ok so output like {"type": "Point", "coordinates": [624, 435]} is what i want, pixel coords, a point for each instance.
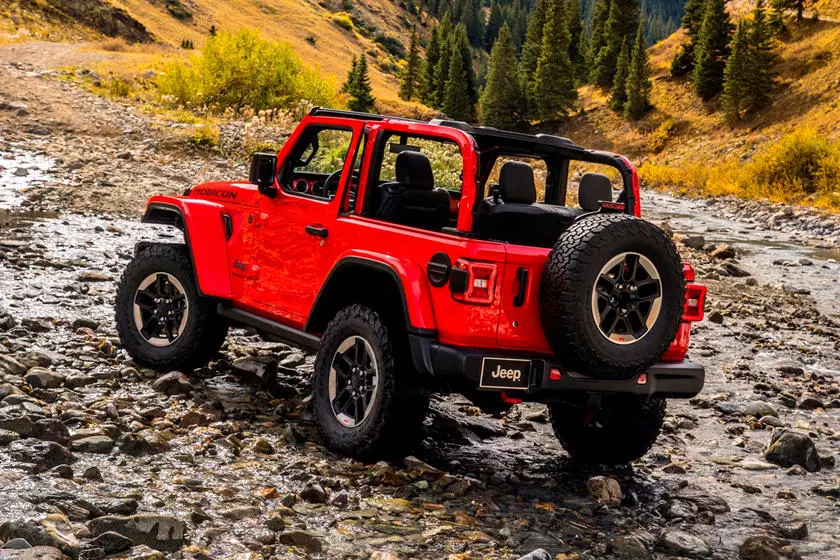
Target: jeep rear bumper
{"type": "Point", "coordinates": [455, 366]}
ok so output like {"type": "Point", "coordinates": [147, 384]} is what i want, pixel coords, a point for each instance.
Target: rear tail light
{"type": "Point", "coordinates": [473, 281]}
{"type": "Point", "coordinates": [695, 302]}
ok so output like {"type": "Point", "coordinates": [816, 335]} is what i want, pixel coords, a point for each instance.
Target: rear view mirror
{"type": "Point", "coordinates": [263, 168]}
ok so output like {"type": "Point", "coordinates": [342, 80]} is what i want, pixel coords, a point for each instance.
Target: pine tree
{"type": "Point", "coordinates": [600, 13]}
{"type": "Point", "coordinates": [428, 89]}
{"type": "Point", "coordinates": [683, 62]}
{"type": "Point", "coordinates": [459, 90]}
{"type": "Point", "coordinates": [442, 66]}
{"type": "Point", "coordinates": [621, 24]}
{"type": "Point", "coordinates": [554, 82]}
{"type": "Point", "coordinates": [350, 83]}
{"type": "Point", "coordinates": [576, 55]}
{"type": "Point", "coordinates": [533, 44]}
{"type": "Point", "coordinates": [711, 50]}
{"type": "Point", "coordinates": [501, 103]}
{"type": "Point", "coordinates": [361, 93]}
{"type": "Point", "coordinates": [736, 87]}
{"type": "Point", "coordinates": [618, 94]}
{"type": "Point", "coordinates": [762, 59]}
{"type": "Point", "coordinates": [638, 79]}
{"type": "Point", "coordinates": [494, 24]}
{"type": "Point", "coordinates": [412, 80]}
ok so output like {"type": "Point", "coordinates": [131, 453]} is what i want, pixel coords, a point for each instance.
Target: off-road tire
{"type": "Point", "coordinates": [204, 332]}
{"type": "Point", "coordinates": [395, 420]}
{"type": "Point", "coordinates": [569, 277]}
{"type": "Point", "coordinates": [623, 430]}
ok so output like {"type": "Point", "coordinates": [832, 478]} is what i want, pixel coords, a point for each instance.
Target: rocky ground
{"type": "Point", "coordinates": [100, 458]}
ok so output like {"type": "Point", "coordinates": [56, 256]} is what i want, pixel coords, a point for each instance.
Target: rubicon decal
{"type": "Point", "coordinates": [215, 193]}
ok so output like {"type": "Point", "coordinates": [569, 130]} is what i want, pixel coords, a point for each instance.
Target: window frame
{"type": "Point", "coordinates": [286, 169]}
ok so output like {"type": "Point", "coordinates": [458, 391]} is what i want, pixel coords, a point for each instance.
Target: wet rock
{"type": "Point", "coordinates": [43, 454]}
{"type": "Point", "coordinates": [21, 425]}
{"type": "Point", "coordinates": [293, 360]}
{"type": "Point", "coordinates": [790, 368]}
{"type": "Point", "coordinates": [36, 325]}
{"type": "Point", "coordinates": [340, 499]}
{"type": "Point", "coordinates": [94, 444]}
{"type": "Point", "coordinates": [798, 532]}
{"type": "Point", "coordinates": [92, 473]}
{"type": "Point", "coordinates": [787, 448]}
{"type": "Point", "coordinates": [94, 276]}
{"type": "Point", "coordinates": [716, 317]}
{"type": "Point", "coordinates": [629, 547]}
{"type": "Point", "coordinates": [694, 242]}
{"type": "Point", "coordinates": [145, 442]}
{"type": "Point", "coordinates": [161, 532]}
{"type": "Point", "coordinates": [759, 409]}
{"type": "Point", "coordinates": [308, 540]}
{"type": "Point", "coordinates": [51, 429]}
{"type": "Point", "coordinates": [54, 531]}
{"type": "Point", "coordinates": [62, 471]}
{"type": "Point", "coordinates": [771, 421]}
{"type": "Point", "coordinates": [724, 252]}
{"type": "Point", "coordinates": [679, 542]}
{"type": "Point", "coordinates": [7, 437]}
{"type": "Point", "coordinates": [11, 365]}
{"type": "Point", "coordinates": [762, 547]}
{"type": "Point", "coordinates": [174, 383]}
{"type": "Point", "coordinates": [143, 552]}
{"type": "Point", "coordinates": [16, 544]}
{"type": "Point", "coordinates": [84, 322]}
{"type": "Point", "coordinates": [262, 445]}
{"type": "Point", "coordinates": [40, 378]}
{"type": "Point", "coordinates": [34, 553]}
{"type": "Point", "coordinates": [539, 554]}
{"type": "Point", "coordinates": [314, 493]}
{"type": "Point", "coordinates": [111, 542]}
{"type": "Point", "coordinates": [810, 402]}
{"type": "Point", "coordinates": [605, 490]}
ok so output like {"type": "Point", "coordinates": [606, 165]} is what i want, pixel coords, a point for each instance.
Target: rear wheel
{"type": "Point", "coordinates": [365, 399]}
{"type": "Point", "coordinates": [162, 320]}
{"type": "Point", "coordinates": [619, 430]}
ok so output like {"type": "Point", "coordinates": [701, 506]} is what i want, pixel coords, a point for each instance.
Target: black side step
{"type": "Point", "coordinates": [291, 335]}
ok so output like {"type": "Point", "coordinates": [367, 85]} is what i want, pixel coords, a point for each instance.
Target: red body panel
{"type": "Point", "coordinates": [271, 266]}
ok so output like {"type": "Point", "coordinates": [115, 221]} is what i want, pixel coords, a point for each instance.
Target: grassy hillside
{"type": "Point", "coordinates": [684, 142]}
{"type": "Point", "coordinates": [325, 34]}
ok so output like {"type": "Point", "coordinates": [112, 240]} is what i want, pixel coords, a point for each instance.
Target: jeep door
{"type": "Point", "coordinates": [293, 227]}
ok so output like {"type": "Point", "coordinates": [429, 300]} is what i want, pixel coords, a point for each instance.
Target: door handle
{"type": "Point", "coordinates": [522, 276]}
{"type": "Point", "coordinates": [317, 231]}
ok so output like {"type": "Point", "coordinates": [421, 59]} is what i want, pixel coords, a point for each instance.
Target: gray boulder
{"type": "Point", "coordinates": [787, 448]}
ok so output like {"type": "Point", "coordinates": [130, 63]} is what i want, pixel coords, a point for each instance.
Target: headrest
{"type": "Point", "coordinates": [414, 170]}
{"type": "Point", "coordinates": [516, 183]}
{"type": "Point", "coordinates": [593, 189]}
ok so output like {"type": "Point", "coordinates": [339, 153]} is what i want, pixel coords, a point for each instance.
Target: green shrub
{"type": "Point", "coordinates": [390, 44]}
{"type": "Point", "coordinates": [240, 69]}
{"type": "Point", "coordinates": [178, 10]}
{"type": "Point", "coordinates": [343, 20]}
{"type": "Point", "coordinates": [119, 87]}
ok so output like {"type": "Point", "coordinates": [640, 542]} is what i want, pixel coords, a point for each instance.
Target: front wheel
{"type": "Point", "coordinates": [620, 430]}
{"type": "Point", "coordinates": [162, 320]}
{"type": "Point", "coordinates": [365, 399]}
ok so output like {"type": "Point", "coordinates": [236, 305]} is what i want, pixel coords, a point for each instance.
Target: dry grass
{"type": "Point", "coordinates": [699, 144]}
{"type": "Point", "coordinates": [292, 21]}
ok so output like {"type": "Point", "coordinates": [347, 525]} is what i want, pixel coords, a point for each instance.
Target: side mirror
{"type": "Point", "coordinates": [263, 169]}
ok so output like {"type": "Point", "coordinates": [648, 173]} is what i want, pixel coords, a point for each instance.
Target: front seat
{"type": "Point", "coordinates": [413, 200]}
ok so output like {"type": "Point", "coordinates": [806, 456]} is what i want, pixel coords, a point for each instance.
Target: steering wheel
{"type": "Point", "coordinates": [335, 176]}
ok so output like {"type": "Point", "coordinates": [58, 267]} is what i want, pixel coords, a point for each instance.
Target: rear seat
{"type": "Point", "coordinates": [515, 216]}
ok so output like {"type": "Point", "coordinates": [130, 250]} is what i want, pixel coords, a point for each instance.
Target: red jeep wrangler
{"type": "Point", "coordinates": [418, 257]}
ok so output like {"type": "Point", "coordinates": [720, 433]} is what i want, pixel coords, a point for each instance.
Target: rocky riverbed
{"type": "Point", "coordinates": [100, 458]}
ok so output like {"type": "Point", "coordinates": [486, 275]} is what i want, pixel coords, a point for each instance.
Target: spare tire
{"type": "Point", "coordinates": [612, 296]}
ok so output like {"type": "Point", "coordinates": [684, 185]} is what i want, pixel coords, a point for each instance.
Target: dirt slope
{"type": "Point", "coordinates": [309, 26]}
